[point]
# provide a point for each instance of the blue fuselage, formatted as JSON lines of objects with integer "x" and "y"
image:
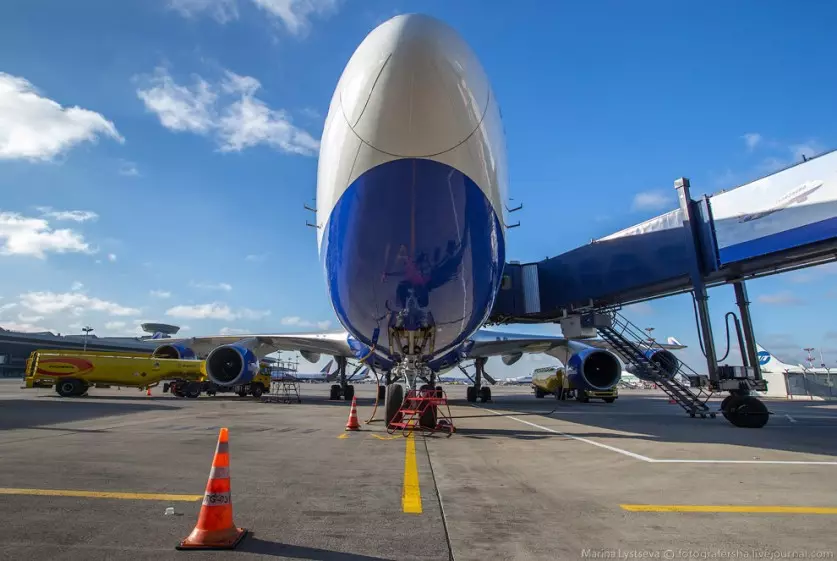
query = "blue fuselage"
{"x": 418, "y": 233}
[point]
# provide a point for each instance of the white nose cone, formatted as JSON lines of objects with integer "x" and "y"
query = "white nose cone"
{"x": 414, "y": 88}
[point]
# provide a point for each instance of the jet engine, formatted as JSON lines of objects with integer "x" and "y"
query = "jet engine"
{"x": 231, "y": 365}
{"x": 175, "y": 351}
{"x": 594, "y": 369}
{"x": 662, "y": 358}
{"x": 313, "y": 358}
{"x": 510, "y": 359}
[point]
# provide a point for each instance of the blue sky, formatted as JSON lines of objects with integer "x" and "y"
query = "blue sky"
{"x": 184, "y": 132}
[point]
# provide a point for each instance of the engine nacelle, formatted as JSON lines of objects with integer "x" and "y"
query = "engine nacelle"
{"x": 594, "y": 369}
{"x": 231, "y": 365}
{"x": 175, "y": 351}
{"x": 665, "y": 361}
{"x": 313, "y": 358}
{"x": 510, "y": 359}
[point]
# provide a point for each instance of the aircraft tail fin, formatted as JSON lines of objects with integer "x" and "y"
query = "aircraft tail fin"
{"x": 327, "y": 368}
{"x": 768, "y": 359}
{"x": 158, "y": 335}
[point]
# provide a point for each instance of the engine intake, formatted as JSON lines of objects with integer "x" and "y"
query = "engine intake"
{"x": 175, "y": 351}
{"x": 594, "y": 369}
{"x": 231, "y": 365}
{"x": 663, "y": 359}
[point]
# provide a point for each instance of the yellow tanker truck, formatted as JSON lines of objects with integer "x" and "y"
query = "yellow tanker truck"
{"x": 554, "y": 380}
{"x": 72, "y": 373}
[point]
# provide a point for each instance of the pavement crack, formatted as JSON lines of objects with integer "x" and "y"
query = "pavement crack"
{"x": 439, "y": 499}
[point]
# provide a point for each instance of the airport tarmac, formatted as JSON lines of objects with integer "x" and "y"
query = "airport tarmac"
{"x": 522, "y": 478}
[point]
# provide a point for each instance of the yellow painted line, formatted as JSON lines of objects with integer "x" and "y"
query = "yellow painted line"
{"x": 343, "y": 435}
{"x": 411, "y": 495}
{"x": 388, "y": 437}
{"x": 100, "y": 494}
{"x": 733, "y": 508}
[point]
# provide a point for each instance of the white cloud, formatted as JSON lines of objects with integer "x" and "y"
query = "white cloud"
{"x": 215, "y": 310}
{"x": 160, "y": 294}
{"x": 295, "y": 15}
{"x": 29, "y": 319}
{"x": 128, "y": 169}
{"x": 229, "y": 111}
{"x": 640, "y": 308}
{"x": 807, "y": 149}
{"x": 115, "y": 325}
{"x": 751, "y": 139}
{"x": 74, "y": 302}
{"x": 297, "y": 321}
{"x": 76, "y": 286}
{"x": 111, "y": 257}
{"x": 258, "y": 258}
{"x": 72, "y": 215}
{"x": 784, "y": 298}
{"x": 226, "y": 287}
{"x": 222, "y": 10}
{"x": 651, "y": 200}
{"x": 8, "y": 306}
{"x": 37, "y": 128}
{"x": 20, "y": 235}
{"x": 232, "y": 331}
{"x": 23, "y": 327}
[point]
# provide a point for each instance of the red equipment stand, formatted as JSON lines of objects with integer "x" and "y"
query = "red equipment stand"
{"x": 423, "y": 410}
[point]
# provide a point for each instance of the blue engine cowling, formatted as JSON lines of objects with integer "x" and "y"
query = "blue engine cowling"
{"x": 175, "y": 351}
{"x": 231, "y": 365}
{"x": 594, "y": 369}
{"x": 665, "y": 361}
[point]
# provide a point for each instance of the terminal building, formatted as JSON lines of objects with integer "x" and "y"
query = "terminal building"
{"x": 15, "y": 346}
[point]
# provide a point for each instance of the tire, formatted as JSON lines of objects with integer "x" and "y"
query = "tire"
{"x": 334, "y": 394}
{"x": 485, "y": 394}
{"x": 69, "y": 388}
{"x": 471, "y": 394}
{"x": 609, "y": 399}
{"x": 382, "y": 393}
{"x": 725, "y": 402}
{"x": 349, "y": 393}
{"x": 257, "y": 390}
{"x": 539, "y": 393}
{"x": 394, "y": 399}
{"x": 193, "y": 391}
{"x": 749, "y": 413}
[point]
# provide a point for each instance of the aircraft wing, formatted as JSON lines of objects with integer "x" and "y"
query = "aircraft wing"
{"x": 492, "y": 343}
{"x": 333, "y": 343}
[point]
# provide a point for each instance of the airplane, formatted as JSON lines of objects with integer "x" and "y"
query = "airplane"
{"x": 792, "y": 197}
{"x": 323, "y": 375}
{"x": 411, "y": 226}
{"x": 770, "y": 363}
{"x": 527, "y": 379}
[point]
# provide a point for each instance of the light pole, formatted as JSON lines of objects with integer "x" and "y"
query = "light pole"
{"x": 650, "y": 338}
{"x": 810, "y": 356}
{"x": 87, "y": 329}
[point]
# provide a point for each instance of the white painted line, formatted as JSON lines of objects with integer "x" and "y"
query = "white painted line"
{"x": 654, "y": 461}
{"x": 594, "y": 443}
{"x": 791, "y": 419}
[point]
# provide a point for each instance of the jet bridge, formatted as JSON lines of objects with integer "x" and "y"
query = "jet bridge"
{"x": 778, "y": 223}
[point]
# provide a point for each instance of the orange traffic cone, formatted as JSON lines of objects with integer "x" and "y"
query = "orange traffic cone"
{"x": 215, "y": 528}
{"x": 353, "y": 423}
{"x": 148, "y": 391}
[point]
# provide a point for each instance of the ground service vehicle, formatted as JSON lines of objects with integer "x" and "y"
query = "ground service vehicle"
{"x": 557, "y": 381}
{"x": 255, "y": 387}
{"x": 72, "y": 373}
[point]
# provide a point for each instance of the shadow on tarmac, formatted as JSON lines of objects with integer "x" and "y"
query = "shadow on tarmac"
{"x": 29, "y": 413}
{"x": 253, "y": 544}
{"x": 793, "y": 426}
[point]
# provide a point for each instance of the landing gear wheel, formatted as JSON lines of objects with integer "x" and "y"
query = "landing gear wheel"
{"x": 725, "y": 402}
{"x": 539, "y": 393}
{"x": 485, "y": 394}
{"x": 257, "y": 390}
{"x": 70, "y": 388}
{"x": 193, "y": 391}
{"x": 382, "y": 392}
{"x": 349, "y": 393}
{"x": 471, "y": 394}
{"x": 394, "y": 399}
{"x": 747, "y": 412}
{"x": 334, "y": 394}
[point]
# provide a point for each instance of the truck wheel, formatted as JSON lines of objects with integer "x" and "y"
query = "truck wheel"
{"x": 69, "y": 388}
{"x": 257, "y": 390}
{"x": 609, "y": 399}
{"x": 242, "y": 392}
{"x": 193, "y": 391}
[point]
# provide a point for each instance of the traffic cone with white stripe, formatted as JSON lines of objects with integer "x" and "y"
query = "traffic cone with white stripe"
{"x": 353, "y": 423}
{"x": 215, "y": 528}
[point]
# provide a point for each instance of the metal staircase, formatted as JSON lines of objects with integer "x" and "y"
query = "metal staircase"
{"x": 631, "y": 344}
